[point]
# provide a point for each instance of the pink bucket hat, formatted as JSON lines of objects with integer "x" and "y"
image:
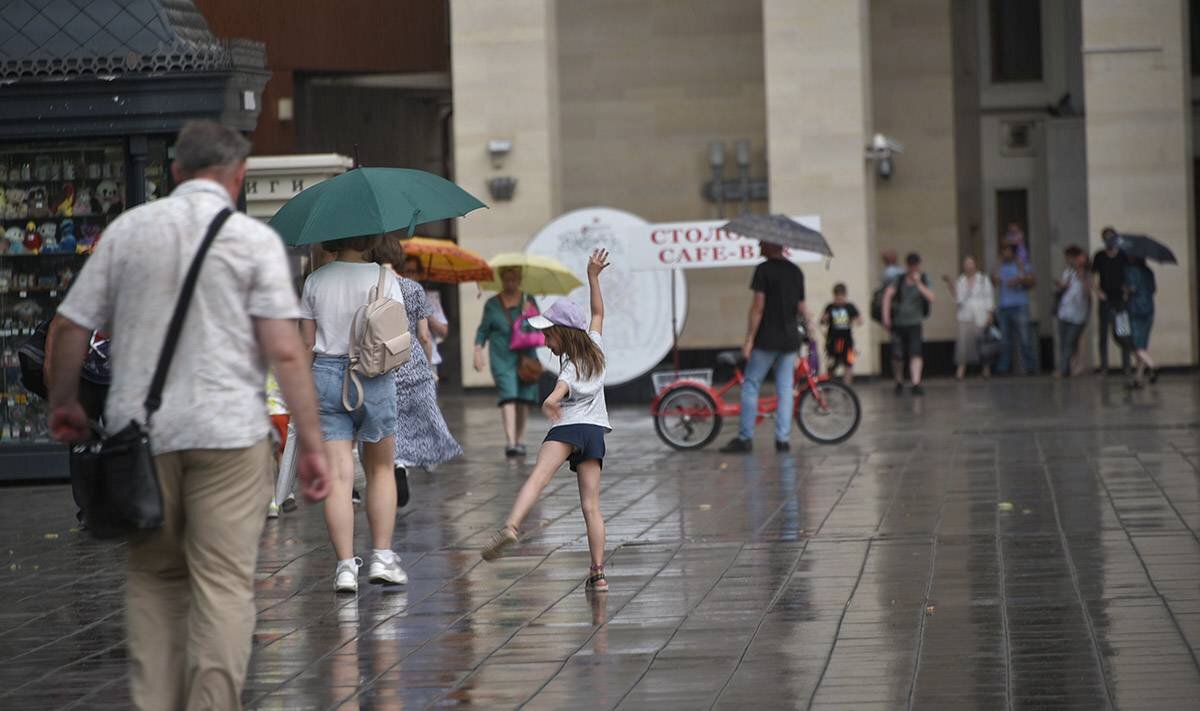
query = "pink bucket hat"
{"x": 563, "y": 312}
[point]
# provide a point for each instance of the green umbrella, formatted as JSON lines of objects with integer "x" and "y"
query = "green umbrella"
{"x": 370, "y": 201}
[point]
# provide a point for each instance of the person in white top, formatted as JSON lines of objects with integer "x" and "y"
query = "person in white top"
{"x": 1074, "y": 305}
{"x": 190, "y": 592}
{"x": 974, "y": 296}
{"x": 580, "y": 420}
{"x": 331, "y": 297}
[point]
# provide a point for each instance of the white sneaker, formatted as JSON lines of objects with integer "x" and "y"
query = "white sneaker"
{"x": 273, "y": 510}
{"x": 386, "y": 571}
{"x": 346, "y": 577}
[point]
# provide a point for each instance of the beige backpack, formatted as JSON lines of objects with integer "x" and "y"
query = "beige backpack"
{"x": 379, "y": 339}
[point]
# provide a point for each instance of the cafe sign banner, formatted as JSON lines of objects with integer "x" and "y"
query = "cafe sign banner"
{"x": 703, "y": 245}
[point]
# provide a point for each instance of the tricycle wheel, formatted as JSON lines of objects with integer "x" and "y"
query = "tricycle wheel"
{"x": 833, "y": 417}
{"x": 687, "y": 418}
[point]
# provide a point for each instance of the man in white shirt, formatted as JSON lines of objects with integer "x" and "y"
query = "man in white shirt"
{"x": 190, "y": 594}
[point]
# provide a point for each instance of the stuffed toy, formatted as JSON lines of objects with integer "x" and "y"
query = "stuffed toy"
{"x": 67, "y": 240}
{"x": 83, "y": 203}
{"x": 91, "y": 235}
{"x": 49, "y": 233}
{"x": 109, "y": 196}
{"x": 33, "y": 240}
{"x": 15, "y": 237}
{"x": 66, "y": 208}
{"x": 15, "y": 209}
{"x": 39, "y": 201}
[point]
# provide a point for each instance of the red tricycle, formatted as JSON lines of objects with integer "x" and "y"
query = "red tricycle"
{"x": 688, "y": 409}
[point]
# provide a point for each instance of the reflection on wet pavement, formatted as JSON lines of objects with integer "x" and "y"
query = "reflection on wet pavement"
{"x": 1015, "y": 544}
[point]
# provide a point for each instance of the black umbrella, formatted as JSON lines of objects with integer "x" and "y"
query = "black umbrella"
{"x": 781, "y": 230}
{"x": 1146, "y": 248}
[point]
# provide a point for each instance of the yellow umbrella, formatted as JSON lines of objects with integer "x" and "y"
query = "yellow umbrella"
{"x": 539, "y": 275}
{"x": 445, "y": 261}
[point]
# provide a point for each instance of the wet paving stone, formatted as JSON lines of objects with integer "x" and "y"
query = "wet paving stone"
{"x": 1013, "y": 544}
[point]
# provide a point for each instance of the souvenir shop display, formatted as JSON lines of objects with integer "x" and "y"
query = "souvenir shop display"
{"x": 56, "y": 198}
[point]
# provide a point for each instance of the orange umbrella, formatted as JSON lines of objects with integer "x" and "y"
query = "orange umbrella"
{"x": 445, "y": 261}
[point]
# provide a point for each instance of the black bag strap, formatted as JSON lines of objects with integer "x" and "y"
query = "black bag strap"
{"x": 154, "y": 397}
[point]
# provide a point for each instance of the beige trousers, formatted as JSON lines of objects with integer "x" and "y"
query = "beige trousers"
{"x": 190, "y": 598}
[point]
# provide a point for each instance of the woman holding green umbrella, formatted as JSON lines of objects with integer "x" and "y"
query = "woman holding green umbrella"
{"x": 515, "y": 395}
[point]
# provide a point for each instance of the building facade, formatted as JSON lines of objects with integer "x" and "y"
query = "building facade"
{"x": 1062, "y": 116}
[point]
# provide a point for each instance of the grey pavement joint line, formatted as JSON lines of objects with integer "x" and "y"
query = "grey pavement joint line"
{"x": 1158, "y": 485}
{"x": 380, "y": 623}
{"x": 838, "y": 630}
{"x": 683, "y": 620}
{"x": 1146, "y": 569}
{"x": 596, "y": 628}
{"x": 1067, "y": 555}
{"x": 761, "y": 620}
{"x": 924, "y": 611}
{"x": 1002, "y": 583}
{"x": 775, "y": 600}
{"x": 367, "y": 684}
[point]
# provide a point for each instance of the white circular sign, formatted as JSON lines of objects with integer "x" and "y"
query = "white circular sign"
{"x": 637, "y": 304}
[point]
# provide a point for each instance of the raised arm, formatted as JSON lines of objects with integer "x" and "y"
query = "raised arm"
{"x": 597, "y": 263}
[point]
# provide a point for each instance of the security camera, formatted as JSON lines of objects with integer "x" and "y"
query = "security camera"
{"x": 498, "y": 149}
{"x": 881, "y": 149}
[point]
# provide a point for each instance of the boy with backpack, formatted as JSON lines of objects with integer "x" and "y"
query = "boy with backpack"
{"x": 906, "y": 303}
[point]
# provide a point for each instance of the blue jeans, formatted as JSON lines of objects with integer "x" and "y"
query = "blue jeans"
{"x": 760, "y": 362}
{"x": 1014, "y": 330}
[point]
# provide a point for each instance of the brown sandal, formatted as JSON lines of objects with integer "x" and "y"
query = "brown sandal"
{"x": 596, "y": 580}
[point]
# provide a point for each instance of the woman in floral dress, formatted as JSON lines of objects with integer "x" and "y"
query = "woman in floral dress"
{"x": 422, "y": 437}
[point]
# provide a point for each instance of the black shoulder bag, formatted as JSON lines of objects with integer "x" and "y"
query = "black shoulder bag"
{"x": 115, "y": 477}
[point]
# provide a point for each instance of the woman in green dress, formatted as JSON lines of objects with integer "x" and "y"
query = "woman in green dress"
{"x": 499, "y": 314}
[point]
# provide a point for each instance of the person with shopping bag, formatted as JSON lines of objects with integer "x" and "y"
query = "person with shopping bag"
{"x": 511, "y": 355}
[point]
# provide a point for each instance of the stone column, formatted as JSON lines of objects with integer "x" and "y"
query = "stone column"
{"x": 818, "y": 89}
{"x": 1137, "y": 88}
{"x": 505, "y": 81}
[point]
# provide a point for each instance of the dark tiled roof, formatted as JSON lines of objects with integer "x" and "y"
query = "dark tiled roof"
{"x": 60, "y": 39}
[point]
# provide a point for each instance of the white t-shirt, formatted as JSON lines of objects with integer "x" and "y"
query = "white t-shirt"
{"x": 333, "y": 294}
{"x": 213, "y": 397}
{"x": 584, "y": 403}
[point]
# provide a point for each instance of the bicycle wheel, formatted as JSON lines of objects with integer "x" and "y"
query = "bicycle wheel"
{"x": 687, "y": 418}
{"x": 832, "y": 422}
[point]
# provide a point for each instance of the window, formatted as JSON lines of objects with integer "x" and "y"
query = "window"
{"x": 1016, "y": 35}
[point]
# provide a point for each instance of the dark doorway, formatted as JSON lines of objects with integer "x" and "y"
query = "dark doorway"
{"x": 1012, "y": 206}
{"x": 387, "y": 121}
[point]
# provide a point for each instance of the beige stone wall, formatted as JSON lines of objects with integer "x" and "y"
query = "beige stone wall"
{"x": 912, "y": 72}
{"x": 644, "y": 86}
{"x": 505, "y": 86}
{"x": 818, "y": 91}
{"x": 1138, "y": 84}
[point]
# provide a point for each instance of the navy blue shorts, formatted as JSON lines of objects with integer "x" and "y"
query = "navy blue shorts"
{"x": 587, "y": 442}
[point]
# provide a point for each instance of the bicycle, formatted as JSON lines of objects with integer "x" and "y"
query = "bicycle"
{"x": 688, "y": 411}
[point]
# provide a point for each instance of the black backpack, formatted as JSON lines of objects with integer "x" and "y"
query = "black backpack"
{"x": 32, "y": 358}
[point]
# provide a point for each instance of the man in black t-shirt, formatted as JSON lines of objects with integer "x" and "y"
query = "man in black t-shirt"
{"x": 1109, "y": 267}
{"x": 772, "y": 341}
